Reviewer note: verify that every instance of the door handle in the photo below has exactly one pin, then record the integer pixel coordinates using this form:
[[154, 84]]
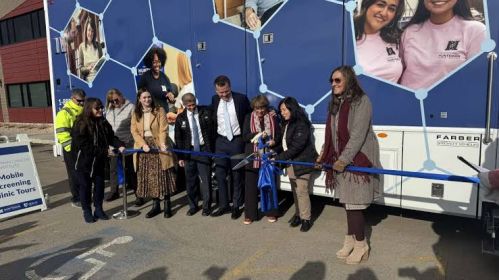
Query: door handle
[[492, 56]]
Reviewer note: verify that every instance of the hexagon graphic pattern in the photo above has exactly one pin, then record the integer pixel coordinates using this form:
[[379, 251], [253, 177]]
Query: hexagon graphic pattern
[[291, 54], [84, 45]]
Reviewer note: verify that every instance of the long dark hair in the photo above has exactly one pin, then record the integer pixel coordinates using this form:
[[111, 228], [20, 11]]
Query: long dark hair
[[138, 106], [461, 8], [353, 90], [90, 22], [390, 33], [297, 112], [86, 121]]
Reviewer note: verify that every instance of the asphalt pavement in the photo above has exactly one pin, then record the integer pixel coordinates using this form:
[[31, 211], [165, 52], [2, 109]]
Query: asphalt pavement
[[57, 244]]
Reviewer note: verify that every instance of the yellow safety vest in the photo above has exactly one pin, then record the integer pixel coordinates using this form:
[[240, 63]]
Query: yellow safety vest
[[64, 121]]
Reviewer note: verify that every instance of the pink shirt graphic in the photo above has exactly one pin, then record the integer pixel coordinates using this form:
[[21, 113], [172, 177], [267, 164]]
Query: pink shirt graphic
[[430, 51], [379, 58]]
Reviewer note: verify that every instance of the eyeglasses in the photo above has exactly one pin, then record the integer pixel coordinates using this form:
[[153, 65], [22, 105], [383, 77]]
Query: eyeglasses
[[335, 81]]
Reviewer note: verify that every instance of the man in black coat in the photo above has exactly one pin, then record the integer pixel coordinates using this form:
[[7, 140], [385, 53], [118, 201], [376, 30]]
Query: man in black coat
[[195, 131], [229, 110]]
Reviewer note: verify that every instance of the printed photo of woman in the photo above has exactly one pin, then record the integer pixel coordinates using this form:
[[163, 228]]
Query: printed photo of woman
[[89, 52], [84, 44], [377, 37], [440, 37]]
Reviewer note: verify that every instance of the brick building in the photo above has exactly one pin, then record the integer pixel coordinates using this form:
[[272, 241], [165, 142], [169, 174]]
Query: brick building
[[24, 70]]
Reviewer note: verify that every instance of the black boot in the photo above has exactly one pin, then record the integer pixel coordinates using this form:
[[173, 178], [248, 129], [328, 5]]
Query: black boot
[[295, 221], [87, 215], [305, 225], [155, 210], [140, 201], [167, 207], [100, 214]]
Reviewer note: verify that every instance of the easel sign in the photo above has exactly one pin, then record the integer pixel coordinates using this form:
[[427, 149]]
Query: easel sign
[[20, 188]]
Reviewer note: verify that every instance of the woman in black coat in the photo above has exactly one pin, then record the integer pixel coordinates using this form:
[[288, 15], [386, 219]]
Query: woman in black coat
[[297, 145], [91, 137]]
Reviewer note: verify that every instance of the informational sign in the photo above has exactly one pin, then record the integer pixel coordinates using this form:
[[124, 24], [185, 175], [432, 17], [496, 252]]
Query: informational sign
[[20, 188]]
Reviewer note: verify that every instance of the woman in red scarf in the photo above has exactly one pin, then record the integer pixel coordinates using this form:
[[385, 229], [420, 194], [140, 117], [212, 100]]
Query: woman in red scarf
[[350, 139], [264, 123]]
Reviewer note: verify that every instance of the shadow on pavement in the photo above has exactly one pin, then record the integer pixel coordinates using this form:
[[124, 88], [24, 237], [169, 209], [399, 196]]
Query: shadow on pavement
[[214, 272], [454, 259], [156, 273], [311, 271], [10, 233], [17, 247], [42, 266], [375, 214], [364, 274], [58, 188]]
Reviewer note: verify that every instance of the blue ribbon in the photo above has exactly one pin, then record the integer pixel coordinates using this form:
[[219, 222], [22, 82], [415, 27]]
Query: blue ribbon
[[267, 180], [423, 175], [201, 154], [267, 184], [121, 171]]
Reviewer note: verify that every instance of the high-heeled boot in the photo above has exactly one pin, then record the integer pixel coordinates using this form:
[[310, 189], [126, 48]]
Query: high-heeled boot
[[155, 209], [360, 252], [167, 207], [347, 248]]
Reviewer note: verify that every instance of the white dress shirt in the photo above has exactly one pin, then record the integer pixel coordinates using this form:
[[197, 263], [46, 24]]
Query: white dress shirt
[[236, 130]]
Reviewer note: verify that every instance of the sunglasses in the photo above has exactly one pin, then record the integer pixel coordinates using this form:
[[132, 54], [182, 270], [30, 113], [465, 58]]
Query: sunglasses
[[335, 80], [80, 100], [115, 101], [99, 108]]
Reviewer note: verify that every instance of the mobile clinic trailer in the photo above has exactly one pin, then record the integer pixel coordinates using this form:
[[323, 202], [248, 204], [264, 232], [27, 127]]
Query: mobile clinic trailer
[[292, 54]]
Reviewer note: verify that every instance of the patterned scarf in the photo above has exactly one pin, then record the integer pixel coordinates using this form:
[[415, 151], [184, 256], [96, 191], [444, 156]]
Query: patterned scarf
[[257, 126], [330, 155]]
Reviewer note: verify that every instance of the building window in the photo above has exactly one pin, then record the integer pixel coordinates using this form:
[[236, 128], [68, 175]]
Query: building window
[[29, 95], [22, 28]]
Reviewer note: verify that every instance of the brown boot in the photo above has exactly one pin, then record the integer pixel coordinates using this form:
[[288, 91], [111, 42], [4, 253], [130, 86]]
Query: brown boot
[[360, 252], [347, 248]]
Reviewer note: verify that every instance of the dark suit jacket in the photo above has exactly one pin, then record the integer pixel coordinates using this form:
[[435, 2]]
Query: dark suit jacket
[[183, 135], [241, 103]]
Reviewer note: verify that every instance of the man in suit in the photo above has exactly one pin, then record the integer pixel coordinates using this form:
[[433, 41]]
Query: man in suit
[[229, 110], [195, 131]]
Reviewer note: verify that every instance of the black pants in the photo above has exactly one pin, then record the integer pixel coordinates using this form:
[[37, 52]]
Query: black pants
[[130, 175], [223, 169], [85, 182], [198, 167], [251, 193], [73, 182]]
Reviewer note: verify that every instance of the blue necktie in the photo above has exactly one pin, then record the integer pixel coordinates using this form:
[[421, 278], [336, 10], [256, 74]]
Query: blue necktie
[[195, 134], [228, 128]]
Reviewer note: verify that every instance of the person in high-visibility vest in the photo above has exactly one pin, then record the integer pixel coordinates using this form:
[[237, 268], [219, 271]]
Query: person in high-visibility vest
[[64, 122]]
